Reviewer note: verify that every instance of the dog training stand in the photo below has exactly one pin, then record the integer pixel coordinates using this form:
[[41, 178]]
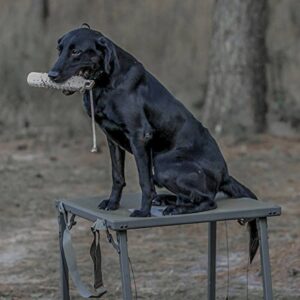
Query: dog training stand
[[119, 221]]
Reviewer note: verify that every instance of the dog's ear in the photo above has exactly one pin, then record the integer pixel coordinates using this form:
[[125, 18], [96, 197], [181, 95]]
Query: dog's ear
[[85, 25], [107, 47], [60, 39]]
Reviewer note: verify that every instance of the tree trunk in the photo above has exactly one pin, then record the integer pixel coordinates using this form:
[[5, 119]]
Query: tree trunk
[[237, 83]]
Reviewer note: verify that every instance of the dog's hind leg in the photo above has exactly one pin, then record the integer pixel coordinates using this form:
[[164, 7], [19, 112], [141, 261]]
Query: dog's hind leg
[[195, 190], [190, 207]]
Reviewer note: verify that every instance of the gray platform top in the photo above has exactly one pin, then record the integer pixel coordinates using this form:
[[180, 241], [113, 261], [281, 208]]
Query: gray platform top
[[228, 209]]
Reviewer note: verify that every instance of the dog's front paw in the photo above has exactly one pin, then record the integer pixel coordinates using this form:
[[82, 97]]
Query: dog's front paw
[[140, 213], [108, 205]]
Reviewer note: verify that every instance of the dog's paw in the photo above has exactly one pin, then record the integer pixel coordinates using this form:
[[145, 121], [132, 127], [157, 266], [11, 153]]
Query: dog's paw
[[157, 201], [103, 204], [164, 200], [108, 205], [140, 214], [171, 210]]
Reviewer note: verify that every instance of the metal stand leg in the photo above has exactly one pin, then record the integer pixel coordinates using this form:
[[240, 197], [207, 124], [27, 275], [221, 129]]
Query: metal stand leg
[[64, 272], [124, 265], [211, 273], [264, 258]]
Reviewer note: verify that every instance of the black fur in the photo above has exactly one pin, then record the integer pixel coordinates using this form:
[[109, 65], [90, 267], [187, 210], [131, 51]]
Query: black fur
[[139, 115]]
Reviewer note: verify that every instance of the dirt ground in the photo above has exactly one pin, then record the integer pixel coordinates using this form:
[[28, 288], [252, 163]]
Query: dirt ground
[[169, 263]]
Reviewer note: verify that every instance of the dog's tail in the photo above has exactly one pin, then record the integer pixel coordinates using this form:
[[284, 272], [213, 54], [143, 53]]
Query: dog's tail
[[235, 189]]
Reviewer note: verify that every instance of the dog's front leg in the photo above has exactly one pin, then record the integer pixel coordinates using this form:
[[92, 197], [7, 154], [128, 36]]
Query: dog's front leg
[[143, 161], [117, 156]]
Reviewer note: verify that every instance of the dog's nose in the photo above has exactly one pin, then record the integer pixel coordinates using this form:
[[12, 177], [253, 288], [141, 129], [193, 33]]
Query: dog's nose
[[53, 74]]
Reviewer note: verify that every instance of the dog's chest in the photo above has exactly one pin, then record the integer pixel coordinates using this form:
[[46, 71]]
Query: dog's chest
[[107, 117]]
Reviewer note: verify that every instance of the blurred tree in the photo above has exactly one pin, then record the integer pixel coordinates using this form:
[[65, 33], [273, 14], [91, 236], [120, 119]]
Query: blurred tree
[[237, 83], [45, 10]]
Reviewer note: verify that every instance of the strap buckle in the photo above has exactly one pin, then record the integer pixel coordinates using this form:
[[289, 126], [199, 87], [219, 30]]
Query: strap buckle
[[99, 225]]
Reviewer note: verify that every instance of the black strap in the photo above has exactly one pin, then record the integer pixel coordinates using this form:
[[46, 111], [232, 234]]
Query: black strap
[[95, 253]]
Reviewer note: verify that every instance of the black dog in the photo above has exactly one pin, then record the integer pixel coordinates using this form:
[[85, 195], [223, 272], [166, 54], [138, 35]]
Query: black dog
[[139, 115]]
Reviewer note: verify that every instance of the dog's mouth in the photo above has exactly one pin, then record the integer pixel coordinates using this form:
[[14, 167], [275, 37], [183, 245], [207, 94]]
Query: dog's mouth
[[85, 73], [89, 73]]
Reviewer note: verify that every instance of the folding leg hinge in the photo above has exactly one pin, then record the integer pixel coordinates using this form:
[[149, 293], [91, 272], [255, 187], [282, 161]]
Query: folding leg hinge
[[69, 223], [102, 225]]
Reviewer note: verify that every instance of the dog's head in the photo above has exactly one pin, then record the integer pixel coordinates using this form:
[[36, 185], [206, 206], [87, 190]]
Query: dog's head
[[82, 52]]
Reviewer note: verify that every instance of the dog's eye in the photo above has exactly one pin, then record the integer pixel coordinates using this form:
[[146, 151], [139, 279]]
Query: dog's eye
[[75, 52]]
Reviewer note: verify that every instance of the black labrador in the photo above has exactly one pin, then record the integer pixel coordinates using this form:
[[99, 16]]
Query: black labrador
[[172, 149]]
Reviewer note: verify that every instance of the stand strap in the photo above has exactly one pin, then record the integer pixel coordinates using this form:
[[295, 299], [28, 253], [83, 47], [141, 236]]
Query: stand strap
[[70, 257]]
